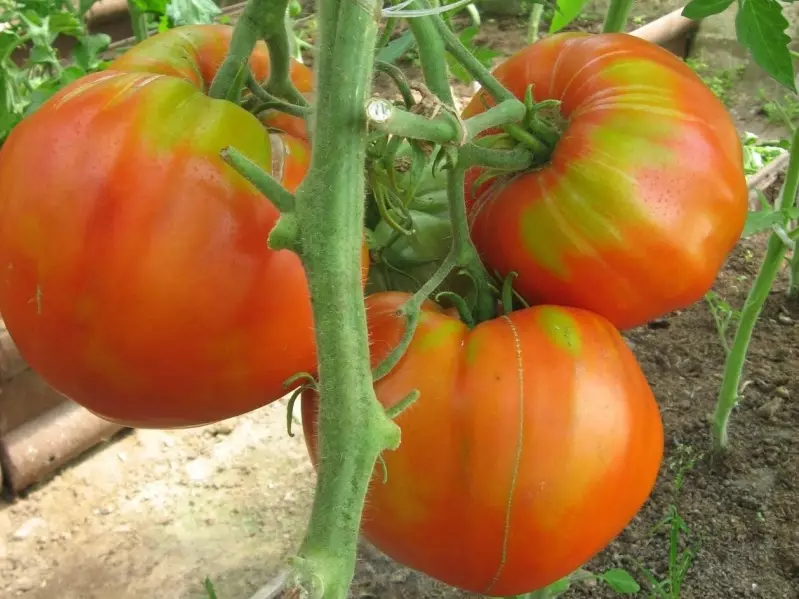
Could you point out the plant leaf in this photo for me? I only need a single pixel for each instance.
(87, 52)
(152, 6)
(565, 12)
(394, 50)
(192, 12)
(620, 581)
(700, 9)
(761, 26)
(762, 220)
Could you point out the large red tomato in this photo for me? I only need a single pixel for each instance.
(644, 196)
(534, 442)
(136, 277)
(195, 53)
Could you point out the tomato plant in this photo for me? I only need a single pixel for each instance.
(137, 278)
(644, 195)
(511, 461)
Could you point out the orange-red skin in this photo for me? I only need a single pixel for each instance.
(649, 151)
(534, 442)
(136, 277)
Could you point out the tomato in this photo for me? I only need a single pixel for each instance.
(195, 53)
(534, 442)
(645, 193)
(137, 280)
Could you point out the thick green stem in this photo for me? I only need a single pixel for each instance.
(353, 428)
(463, 246)
(261, 19)
(248, 29)
(138, 22)
(279, 41)
(444, 129)
(775, 253)
(432, 54)
(617, 15)
(534, 23)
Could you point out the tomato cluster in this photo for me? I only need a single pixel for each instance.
(536, 437)
(138, 282)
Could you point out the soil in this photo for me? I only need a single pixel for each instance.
(152, 513)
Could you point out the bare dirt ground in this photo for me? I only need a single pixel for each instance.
(152, 513)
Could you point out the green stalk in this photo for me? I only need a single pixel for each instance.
(469, 61)
(353, 428)
(138, 22)
(788, 197)
(793, 287)
(432, 54)
(775, 253)
(535, 22)
(279, 42)
(260, 19)
(617, 15)
(443, 129)
(251, 25)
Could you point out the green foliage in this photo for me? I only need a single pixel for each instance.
(565, 12)
(30, 68)
(483, 54)
(758, 153)
(174, 13)
(782, 111)
(721, 82)
(760, 26)
(723, 315)
(682, 547)
(209, 588)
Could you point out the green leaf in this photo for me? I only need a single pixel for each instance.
(192, 12)
(209, 588)
(152, 6)
(761, 26)
(40, 54)
(620, 581)
(66, 23)
(559, 587)
(483, 54)
(8, 42)
(565, 12)
(87, 52)
(762, 220)
(395, 49)
(700, 9)
(40, 95)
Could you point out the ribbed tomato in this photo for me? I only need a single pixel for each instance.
(195, 53)
(534, 442)
(136, 274)
(644, 196)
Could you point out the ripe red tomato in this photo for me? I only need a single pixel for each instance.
(136, 275)
(644, 196)
(534, 442)
(195, 53)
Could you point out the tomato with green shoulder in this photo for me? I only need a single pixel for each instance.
(535, 440)
(136, 276)
(643, 197)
